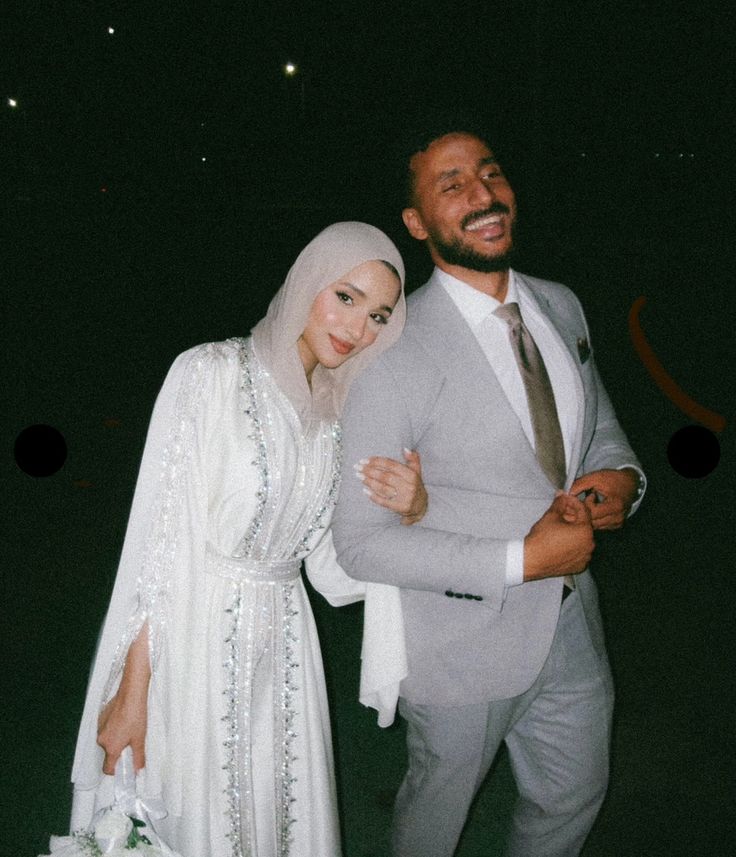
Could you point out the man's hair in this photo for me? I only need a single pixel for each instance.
(419, 138)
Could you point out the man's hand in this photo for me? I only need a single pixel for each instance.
(609, 496)
(561, 541)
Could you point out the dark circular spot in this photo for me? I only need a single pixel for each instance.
(40, 450)
(693, 451)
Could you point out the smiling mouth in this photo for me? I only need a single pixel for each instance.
(492, 221)
(340, 345)
(491, 218)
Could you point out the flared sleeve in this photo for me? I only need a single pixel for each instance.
(166, 536)
(384, 663)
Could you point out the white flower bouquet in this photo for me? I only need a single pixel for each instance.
(126, 826)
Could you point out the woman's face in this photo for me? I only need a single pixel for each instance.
(348, 315)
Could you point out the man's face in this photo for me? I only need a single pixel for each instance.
(463, 205)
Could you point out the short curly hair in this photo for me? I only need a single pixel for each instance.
(419, 138)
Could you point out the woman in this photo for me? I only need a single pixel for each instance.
(209, 665)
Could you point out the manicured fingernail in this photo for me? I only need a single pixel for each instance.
(360, 475)
(363, 461)
(367, 491)
(407, 451)
(358, 467)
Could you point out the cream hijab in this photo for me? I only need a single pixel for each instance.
(328, 257)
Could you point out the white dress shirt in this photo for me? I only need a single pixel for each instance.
(493, 337)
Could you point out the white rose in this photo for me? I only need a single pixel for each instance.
(114, 826)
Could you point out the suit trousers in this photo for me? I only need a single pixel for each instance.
(558, 737)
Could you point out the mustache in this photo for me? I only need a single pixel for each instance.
(496, 208)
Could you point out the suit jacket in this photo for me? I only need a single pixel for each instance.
(469, 638)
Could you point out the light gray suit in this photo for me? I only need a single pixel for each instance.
(470, 639)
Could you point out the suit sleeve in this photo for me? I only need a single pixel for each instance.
(380, 418)
(609, 447)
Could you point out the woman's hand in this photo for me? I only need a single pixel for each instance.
(395, 486)
(122, 723)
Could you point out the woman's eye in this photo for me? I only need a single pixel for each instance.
(344, 297)
(378, 318)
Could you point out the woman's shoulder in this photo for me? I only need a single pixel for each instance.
(211, 356)
(206, 369)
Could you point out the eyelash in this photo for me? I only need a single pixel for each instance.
(345, 298)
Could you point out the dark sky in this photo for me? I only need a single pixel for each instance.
(591, 75)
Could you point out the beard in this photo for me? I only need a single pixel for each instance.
(455, 252)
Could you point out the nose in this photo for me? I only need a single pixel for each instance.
(480, 193)
(356, 326)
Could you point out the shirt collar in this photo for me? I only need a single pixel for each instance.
(474, 306)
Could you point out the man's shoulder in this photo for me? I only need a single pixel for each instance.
(423, 324)
(417, 302)
(548, 289)
(411, 363)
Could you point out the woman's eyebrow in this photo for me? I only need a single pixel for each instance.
(363, 295)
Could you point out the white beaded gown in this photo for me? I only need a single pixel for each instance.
(233, 492)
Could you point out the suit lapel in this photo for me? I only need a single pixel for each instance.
(459, 358)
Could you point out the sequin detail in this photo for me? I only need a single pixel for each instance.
(250, 406)
(231, 719)
(329, 502)
(288, 514)
(284, 738)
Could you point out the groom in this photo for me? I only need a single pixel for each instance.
(494, 383)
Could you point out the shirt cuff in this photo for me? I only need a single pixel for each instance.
(641, 488)
(515, 562)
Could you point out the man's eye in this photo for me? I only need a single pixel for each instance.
(344, 297)
(493, 174)
(450, 188)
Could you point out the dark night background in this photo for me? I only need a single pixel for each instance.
(160, 180)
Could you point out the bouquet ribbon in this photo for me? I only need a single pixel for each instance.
(128, 803)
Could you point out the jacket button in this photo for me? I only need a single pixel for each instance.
(449, 593)
(468, 595)
(478, 597)
(458, 595)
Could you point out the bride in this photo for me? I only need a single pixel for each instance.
(208, 665)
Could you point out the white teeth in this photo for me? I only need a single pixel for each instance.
(486, 221)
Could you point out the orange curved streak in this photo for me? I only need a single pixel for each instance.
(710, 419)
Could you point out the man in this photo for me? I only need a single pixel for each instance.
(502, 629)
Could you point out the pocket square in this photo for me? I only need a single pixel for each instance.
(583, 349)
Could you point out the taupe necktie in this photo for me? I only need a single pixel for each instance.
(542, 410)
(548, 443)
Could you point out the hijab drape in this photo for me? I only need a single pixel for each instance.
(328, 257)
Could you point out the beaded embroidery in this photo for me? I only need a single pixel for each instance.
(153, 581)
(285, 521)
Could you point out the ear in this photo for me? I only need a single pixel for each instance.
(413, 222)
